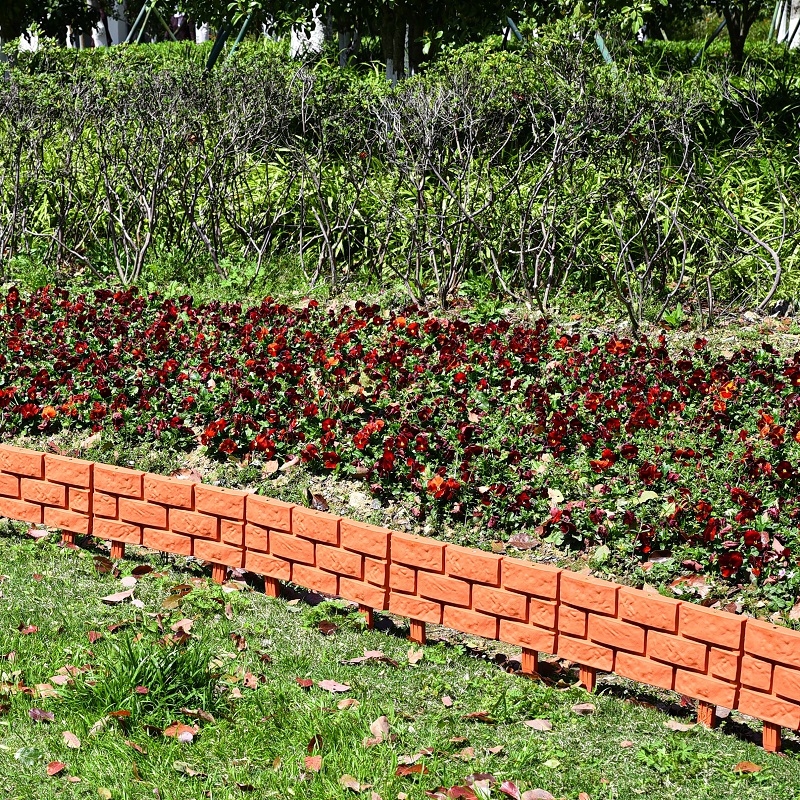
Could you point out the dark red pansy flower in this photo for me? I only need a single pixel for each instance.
(783, 469)
(629, 451)
(730, 563)
(228, 446)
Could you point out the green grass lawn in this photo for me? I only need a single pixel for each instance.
(241, 662)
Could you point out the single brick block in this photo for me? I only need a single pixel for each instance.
(116, 531)
(219, 553)
(590, 593)
(190, 522)
(674, 650)
(523, 635)
(649, 608)
(418, 551)
(219, 500)
(256, 538)
(440, 587)
(272, 567)
(316, 579)
(644, 670)
(364, 594)
(615, 633)
(541, 580)
(104, 505)
(48, 494)
(20, 510)
(589, 654)
(786, 682)
(231, 532)
(363, 538)
(475, 565)
(405, 605)
(80, 500)
(342, 562)
(543, 612)
(701, 687)
(172, 492)
(376, 571)
(269, 513)
(755, 673)
(773, 642)
(167, 541)
(141, 513)
(292, 548)
(68, 520)
(572, 621)
(404, 579)
(9, 485)
(500, 602)
(21, 461)
(712, 626)
(724, 664)
(71, 471)
(119, 480)
(769, 708)
(461, 619)
(315, 525)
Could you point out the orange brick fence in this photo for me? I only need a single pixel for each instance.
(715, 657)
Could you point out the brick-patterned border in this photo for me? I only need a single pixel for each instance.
(715, 657)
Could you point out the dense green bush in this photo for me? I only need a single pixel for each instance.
(537, 170)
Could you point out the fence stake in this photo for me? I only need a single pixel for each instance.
(369, 614)
(706, 714)
(218, 573)
(418, 633)
(771, 737)
(117, 550)
(530, 661)
(271, 587)
(588, 677)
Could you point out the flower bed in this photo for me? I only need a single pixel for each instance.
(516, 426)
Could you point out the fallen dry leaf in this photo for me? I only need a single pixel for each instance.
(71, 740)
(447, 701)
(537, 794)
(55, 767)
(333, 686)
(674, 725)
(313, 763)
(138, 748)
(26, 630)
(539, 724)
(353, 784)
(37, 715)
(625, 743)
(198, 713)
(348, 702)
(747, 768)
(583, 709)
(479, 716)
(117, 597)
(327, 628)
(181, 732)
(304, 683)
(415, 656)
(510, 788)
(414, 769)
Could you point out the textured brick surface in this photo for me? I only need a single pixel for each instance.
(172, 492)
(70, 471)
(474, 565)
(715, 657)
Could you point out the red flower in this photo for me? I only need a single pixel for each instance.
(228, 446)
(730, 563)
(783, 469)
(606, 460)
(629, 451)
(649, 473)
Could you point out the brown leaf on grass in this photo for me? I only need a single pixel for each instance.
(71, 740)
(747, 768)
(250, 681)
(181, 732)
(290, 464)
(327, 628)
(187, 474)
(467, 754)
(304, 683)
(681, 727)
(198, 713)
(315, 743)
(26, 630)
(537, 794)
(102, 564)
(117, 597)
(583, 709)
(141, 570)
(371, 655)
(447, 701)
(123, 713)
(584, 796)
(498, 748)
(317, 501)
(37, 715)
(415, 656)
(415, 769)
(55, 767)
(691, 584)
(99, 725)
(333, 686)
(46, 690)
(137, 747)
(313, 763)
(228, 611)
(184, 625)
(380, 727)
(141, 690)
(94, 636)
(626, 743)
(353, 784)
(479, 716)
(245, 787)
(35, 533)
(239, 642)
(539, 724)
(185, 769)
(348, 702)
(510, 788)
(270, 467)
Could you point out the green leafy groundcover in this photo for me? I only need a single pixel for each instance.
(506, 426)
